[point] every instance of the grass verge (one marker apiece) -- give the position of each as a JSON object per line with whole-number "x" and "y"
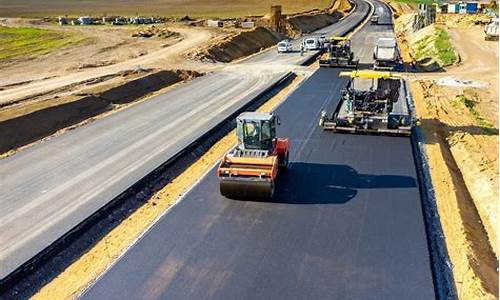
{"x": 444, "y": 47}
{"x": 437, "y": 46}
{"x": 20, "y": 42}
{"x": 470, "y": 105}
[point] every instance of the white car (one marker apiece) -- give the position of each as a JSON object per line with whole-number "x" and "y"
{"x": 311, "y": 43}
{"x": 285, "y": 46}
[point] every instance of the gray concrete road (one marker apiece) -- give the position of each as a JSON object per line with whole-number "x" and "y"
{"x": 346, "y": 223}
{"x": 51, "y": 187}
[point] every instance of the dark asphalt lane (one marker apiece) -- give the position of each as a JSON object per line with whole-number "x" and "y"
{"x": 346, "y": 223}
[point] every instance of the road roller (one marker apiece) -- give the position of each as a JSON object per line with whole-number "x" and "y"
{"x": 249, "y": 171}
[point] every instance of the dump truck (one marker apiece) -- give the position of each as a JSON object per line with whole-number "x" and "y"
{"x": 373, "y": 102}
{"x": 251, "y": 168}
{"x": 385, "y": 54}
{"x": 491, "y": 30}
{"x": 339, "y": 54}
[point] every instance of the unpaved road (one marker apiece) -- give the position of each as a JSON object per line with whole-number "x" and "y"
{"x": 480, "y": 63}
{"x": 166, "y": 57}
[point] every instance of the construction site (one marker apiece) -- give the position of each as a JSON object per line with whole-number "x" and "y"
{"x": 342, "y": 149}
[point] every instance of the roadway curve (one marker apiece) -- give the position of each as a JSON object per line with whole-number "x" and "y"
{"x": 346, "y": 222}
{"x": 50, "y": 188}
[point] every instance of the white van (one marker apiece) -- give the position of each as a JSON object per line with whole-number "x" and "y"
{"x": 311, "y": 43}
{"x": 285, "y": 46}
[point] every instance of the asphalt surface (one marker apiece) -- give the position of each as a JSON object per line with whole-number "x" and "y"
{"x": 52, "y": 186}
{"x": 346, "y": 223}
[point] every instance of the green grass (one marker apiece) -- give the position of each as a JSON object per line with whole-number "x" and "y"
{"x": 437, "y": 46}
{"x": 444, "y": 47}
{"x": 470, "y": 105}
{"x": 21, "y": 42}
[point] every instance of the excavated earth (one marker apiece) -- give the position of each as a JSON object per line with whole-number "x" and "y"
{"x": 458, "y": 110}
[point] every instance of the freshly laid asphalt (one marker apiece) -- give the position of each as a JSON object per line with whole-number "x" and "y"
{"x": 49, "y": 188}
{"x": 346, "y": 223}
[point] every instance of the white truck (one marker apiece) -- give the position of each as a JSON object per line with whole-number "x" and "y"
{"x": 491, "y": 30}
{"x": 385, "y": 54}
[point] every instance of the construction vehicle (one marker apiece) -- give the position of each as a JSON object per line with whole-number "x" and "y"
{"x": 385, "y": 54}
{"x": 373, "y": 102}
{"x": 339, "y": 54}
{"x": 251, "y": 168}
{"x": 491, "y": 30}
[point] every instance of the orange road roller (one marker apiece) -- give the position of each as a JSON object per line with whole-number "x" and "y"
{"x": 249, "y": 171}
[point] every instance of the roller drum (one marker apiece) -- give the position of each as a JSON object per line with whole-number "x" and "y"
{"x": 247, "y": 188}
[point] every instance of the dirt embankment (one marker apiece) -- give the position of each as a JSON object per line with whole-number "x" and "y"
{"x": 298, "y": 24}
{"x": 237, "y": 45}
{"x": 240, "y": 44}
{"x": 464, "y": 168}
{"x": 462, "y": 146}
{"x": 309, "y": 23}
{"x": 430, "y": 47}
{"x": 17, "y": 124}
{"x": 400, "y": 8}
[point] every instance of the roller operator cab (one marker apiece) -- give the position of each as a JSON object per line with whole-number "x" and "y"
{"x": 251, "y": 168}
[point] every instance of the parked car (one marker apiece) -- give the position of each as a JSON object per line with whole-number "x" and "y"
{"x": 285, "y": 46}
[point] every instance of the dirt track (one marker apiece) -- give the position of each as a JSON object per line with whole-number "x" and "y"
{"x": 168, "y": 57}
